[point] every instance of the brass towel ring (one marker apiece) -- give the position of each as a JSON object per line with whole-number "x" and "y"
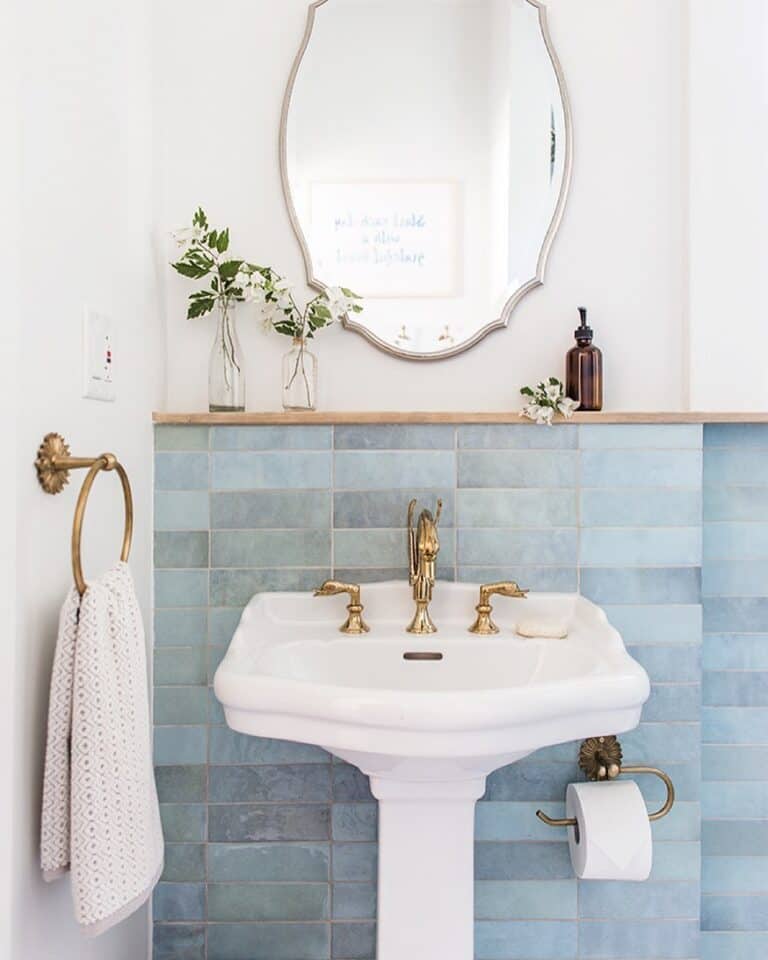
{"x": 600, "y": 759}
{"x": 53, "y": 465}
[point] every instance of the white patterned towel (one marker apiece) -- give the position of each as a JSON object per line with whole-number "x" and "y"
{"x": 100, "y": 812}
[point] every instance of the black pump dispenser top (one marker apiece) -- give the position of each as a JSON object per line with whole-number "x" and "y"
{"x": 584, "y": 332}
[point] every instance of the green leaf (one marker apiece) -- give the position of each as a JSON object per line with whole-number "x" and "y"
{"x": 212, "y": 239}
{"x": 348, "y": 293}
{"x": 191, "y": 270}
{"x": 286, "y": 328}
{"x": 198, "y": 308}
{"x": 229, "y": 269}
{"x": 222, "y": 243}
{"x": 200, "y": 219}
{"x": 526, "y": 392}
{"x": 197, "y": 258}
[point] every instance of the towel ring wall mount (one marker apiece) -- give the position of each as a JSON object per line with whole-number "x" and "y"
{"x": 53, "y": 464}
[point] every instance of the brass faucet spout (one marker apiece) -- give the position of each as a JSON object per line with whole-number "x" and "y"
{"x": 423, "y": 548}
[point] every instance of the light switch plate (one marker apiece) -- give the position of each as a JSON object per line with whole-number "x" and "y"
{"x": 98, "y": 356}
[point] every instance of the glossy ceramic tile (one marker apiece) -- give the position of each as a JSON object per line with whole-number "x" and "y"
{"x": 181, "y": 550}
{"x": 181, "y": 471}
{"x": 271, "y": 438}
{"x": 180, "y": 665}
{"x": 252, "y": 862}
{"x": 181, "y": 628}
{"x": 516, "y": 437}
{"x": 180, "y": 437}
{"x": 182, "y": 510}
{"x": 645, "y": 436}
{"x": 271, "y": 509}
{"x": 395, "y": 437}
{"x": 389, "y": 470}
{"x": 270, "y": 471}
{"x": 525, "y": 468}
{"x": 375, "y": 509}
{"x": 271, "y": 548}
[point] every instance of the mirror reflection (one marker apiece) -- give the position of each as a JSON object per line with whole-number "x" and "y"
{"x": 426, "y": 149}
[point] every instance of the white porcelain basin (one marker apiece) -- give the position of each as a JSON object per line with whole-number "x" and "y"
{"x": 289, "y": 673}
{"x": 426, "y": 731}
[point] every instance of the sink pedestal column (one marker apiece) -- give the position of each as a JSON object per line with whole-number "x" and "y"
{"x": 426, "y": 868}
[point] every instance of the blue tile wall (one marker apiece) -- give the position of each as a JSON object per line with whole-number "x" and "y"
{"x": 734, "y": 906}
{"x": 271, "y": 846}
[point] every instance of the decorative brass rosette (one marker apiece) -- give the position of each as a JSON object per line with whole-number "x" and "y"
{"x": 52, "y": 448}
{"x": 600, "y": 758}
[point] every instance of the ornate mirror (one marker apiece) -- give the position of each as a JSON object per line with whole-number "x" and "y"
{"x": 425, "y": 152}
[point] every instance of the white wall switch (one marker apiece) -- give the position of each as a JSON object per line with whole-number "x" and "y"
{"x": 98, "y": 356}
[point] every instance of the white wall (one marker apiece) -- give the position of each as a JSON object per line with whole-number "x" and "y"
{"x": 86, "y": 208}
{"x": 728, "y": 123}
{"x": 621, "y": 249}
{"x": 9, "y": 257}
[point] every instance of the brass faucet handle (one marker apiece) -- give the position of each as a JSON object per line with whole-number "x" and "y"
{"x": 354, "y": 624}
{"x": 484, "y": 625}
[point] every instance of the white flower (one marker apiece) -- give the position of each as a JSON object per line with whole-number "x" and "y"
{"x": 531, "y": 411}
{"x": 187, "y": 235}
{"x": 284, "y": 301}
{"x": 567, "y": 407}
{"x": 255, "y": 294}
{"x": 554, "y": 391}
{"x": 268, "y": 310}
{"x": 338, "y": 302}
{"x": 541, "y": 413}
{"x": 243, "y": 279}
{"x": 267, "y": 316}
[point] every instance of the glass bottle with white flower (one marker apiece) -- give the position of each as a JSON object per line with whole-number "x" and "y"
{"x": 545, "y": 401}
{"x": 282, "y": 313}
{"x": 206, "y": 254}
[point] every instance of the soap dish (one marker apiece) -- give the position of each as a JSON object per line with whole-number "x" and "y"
{"x": 542, "y": 629}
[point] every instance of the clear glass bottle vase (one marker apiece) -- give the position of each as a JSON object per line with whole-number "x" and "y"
{"x": 226, "y": 379}
{"x": 299, "y": 377}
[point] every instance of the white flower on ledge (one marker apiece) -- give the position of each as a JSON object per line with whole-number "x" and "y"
{"x": 567, "y": 407}
{"x": 547, "y": 400}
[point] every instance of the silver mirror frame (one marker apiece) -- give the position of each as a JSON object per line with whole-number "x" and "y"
{"x": 537, "y": 281}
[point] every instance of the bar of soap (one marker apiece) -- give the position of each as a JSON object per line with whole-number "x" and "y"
{"x": 550, "y": 629}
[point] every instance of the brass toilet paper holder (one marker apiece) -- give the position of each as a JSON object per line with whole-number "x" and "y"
{"x": 600, "y": 759}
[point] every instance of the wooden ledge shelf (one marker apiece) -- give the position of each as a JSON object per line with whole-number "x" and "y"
{"x": 278, "y": 418}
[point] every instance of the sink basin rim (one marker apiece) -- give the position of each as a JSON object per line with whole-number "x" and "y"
{"x": 619, "y": 683}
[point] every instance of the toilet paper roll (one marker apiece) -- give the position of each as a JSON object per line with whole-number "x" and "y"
{"x": 613, "y": 838}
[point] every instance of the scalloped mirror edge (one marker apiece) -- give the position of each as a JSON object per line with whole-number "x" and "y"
{"x": 503, "y": 320}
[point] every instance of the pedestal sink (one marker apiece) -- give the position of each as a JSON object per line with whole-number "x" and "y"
{"x": 427, "y": 718}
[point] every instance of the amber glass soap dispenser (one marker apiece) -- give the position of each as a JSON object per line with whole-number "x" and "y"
{"x": 584, "y": 369}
